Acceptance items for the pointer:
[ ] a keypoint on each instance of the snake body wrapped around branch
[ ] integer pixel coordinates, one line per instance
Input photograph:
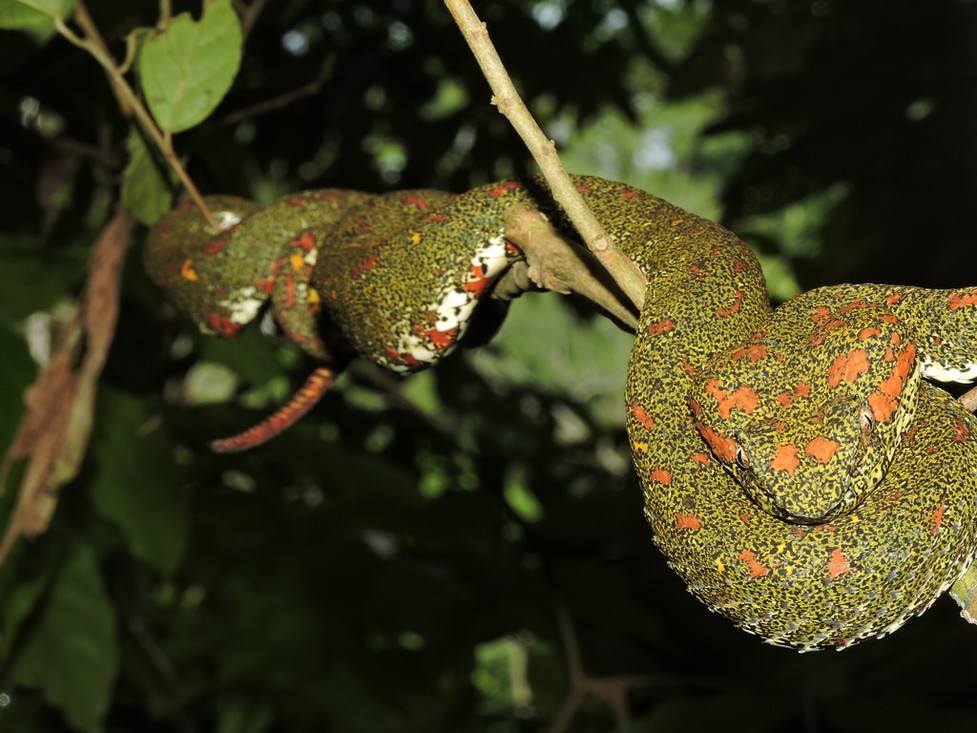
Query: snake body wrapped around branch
(798, 473)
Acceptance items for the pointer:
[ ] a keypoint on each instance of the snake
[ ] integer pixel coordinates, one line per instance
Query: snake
(800, 470)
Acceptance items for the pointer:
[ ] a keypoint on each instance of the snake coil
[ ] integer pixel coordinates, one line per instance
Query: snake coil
(798, 472)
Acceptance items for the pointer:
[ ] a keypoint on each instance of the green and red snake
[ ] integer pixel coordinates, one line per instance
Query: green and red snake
(798, 473)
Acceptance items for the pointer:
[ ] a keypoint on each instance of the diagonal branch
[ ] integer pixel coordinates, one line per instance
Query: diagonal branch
(129, 100)
(308, 89)
(53, 435)
(624, 272)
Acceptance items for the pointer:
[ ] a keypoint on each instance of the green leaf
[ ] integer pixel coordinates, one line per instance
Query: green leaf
(587, 359)
(33, 15)
(137, 485)
(17, 370)
(500, 675)
(147, 187)
(71, 652)
(187, 69)
(21, 592)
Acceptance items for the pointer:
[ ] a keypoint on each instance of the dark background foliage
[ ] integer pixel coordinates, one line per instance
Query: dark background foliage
(400, 561)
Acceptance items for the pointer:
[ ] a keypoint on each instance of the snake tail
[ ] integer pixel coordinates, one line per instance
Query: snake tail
(304, 399)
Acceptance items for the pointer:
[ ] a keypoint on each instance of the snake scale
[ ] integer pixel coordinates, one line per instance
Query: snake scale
(797, 471)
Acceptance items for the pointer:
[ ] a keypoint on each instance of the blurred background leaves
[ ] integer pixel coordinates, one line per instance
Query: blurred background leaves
(399, 561)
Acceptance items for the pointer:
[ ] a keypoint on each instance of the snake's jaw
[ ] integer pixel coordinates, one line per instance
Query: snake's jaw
(816, 504)
(817, 483)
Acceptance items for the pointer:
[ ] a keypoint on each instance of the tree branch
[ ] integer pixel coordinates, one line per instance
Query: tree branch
(283, 100)
(557, 264)
(624, 272)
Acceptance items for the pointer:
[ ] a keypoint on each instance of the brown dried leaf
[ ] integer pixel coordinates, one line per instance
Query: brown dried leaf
(53, 434)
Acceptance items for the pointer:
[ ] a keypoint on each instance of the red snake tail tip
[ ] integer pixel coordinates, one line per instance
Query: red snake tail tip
(287, 415)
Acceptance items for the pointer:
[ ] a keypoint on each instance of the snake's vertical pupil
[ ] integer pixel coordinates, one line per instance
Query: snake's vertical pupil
(867, 421)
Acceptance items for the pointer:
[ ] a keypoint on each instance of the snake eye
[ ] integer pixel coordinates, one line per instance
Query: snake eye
(867, 423)
(741, 458)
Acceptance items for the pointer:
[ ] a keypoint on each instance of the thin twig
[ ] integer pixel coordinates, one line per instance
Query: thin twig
(308, 89)
(96, 48)
(384, 380)
(969, 399)
(571, 646)
(613, 689)
(106, 158)
(577, 677)
(165, 14)
(83, 19)
(250, 15)
(625, 273)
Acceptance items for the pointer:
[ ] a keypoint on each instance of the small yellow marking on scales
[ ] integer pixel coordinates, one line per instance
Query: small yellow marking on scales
(187, 272)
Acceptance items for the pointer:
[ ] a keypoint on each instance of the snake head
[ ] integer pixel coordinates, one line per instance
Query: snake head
(808, 414)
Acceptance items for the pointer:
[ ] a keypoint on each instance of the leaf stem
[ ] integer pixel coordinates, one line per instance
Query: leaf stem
(129, 100)
(249, 15)
(624, 272)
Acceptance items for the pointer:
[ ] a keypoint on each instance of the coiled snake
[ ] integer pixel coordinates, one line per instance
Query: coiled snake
(797, 472)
